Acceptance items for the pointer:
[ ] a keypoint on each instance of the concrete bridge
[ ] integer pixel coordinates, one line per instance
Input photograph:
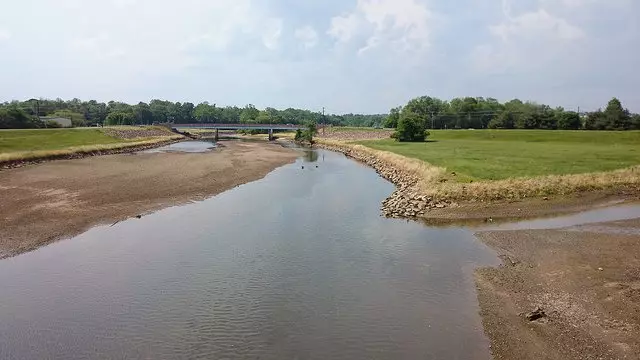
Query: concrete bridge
(216, 127)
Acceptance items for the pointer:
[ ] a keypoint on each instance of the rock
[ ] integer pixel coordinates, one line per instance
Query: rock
(440, 205)
(545, 198)
(600, 269)
(536, 314)
(138, 216)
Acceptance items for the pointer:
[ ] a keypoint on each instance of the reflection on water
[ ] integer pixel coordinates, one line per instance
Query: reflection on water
(621, 212)
(185, 146)
(298, 265)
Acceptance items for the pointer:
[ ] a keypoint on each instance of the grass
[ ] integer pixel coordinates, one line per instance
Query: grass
(507, 165)
(504, 154)
(31, 144)
(51, 139)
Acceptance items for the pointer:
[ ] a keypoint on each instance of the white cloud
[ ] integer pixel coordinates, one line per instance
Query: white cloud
(401, 24)
(344, 27)
(4, 35)
(535, 24)
(271, 33)
(528, 41)
(307, 35)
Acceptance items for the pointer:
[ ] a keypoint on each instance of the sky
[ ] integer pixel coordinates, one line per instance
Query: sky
(360, 56)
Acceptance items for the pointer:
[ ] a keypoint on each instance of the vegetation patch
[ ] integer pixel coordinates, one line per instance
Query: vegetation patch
(51, 139)
(9, 160)
(476, 155)
(32, 144)
(529, 172)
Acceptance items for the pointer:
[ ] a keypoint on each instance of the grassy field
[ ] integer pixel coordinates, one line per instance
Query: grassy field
(42, 143)
(51, 139)
(503, 154)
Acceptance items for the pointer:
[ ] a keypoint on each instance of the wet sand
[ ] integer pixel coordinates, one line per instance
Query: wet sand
(470, 213)
(47, 202)
(585, 278)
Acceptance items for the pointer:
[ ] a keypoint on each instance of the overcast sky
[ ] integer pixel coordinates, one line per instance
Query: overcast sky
(347, 55)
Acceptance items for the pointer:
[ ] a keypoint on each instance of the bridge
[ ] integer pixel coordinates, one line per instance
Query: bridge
(216, 127)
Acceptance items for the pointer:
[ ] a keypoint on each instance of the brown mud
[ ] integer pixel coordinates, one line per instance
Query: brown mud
(54, 200)
(580, 284)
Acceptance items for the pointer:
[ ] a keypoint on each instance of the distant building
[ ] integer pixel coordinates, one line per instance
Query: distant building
(62, 121)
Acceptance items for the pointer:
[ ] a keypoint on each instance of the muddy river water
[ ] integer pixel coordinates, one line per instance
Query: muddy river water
(298, 265)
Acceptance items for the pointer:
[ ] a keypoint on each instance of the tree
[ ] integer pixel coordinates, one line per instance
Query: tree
(635, 122)
(411, 127)
(12, 117)
(310, 131)
(205, 113)
(568, 120)
(120, 118)
(249, 114)
(142, 114)
(506, 120)
(616, 118)
(426, 107)
(595, 121)
(392, 120)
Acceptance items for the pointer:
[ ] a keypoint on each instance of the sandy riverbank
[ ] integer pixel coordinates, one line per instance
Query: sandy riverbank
(587, 281)
(59, 199)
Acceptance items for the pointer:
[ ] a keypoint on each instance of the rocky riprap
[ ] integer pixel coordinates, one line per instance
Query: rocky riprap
(406, 201)
(134, 133)
(337, 134)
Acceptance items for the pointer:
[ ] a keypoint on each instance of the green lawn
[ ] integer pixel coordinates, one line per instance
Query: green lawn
(500, 154)
(51, 139)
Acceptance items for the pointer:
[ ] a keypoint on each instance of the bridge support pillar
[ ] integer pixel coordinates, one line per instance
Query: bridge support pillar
(216, 137)
(270, 134)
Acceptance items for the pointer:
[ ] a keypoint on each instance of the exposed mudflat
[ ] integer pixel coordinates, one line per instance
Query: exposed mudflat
(470, 213)
(54, 200)
(586, 280)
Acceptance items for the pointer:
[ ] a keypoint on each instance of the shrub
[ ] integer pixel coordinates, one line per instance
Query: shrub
(410, 127)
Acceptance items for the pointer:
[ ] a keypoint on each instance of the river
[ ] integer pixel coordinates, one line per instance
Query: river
(298, 265)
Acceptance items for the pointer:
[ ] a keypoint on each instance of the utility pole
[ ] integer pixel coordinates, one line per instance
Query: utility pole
(324, 121)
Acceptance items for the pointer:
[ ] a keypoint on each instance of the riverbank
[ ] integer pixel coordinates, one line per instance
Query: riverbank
(586, 282)
(23, 147)
(55, 200)
(433, 194)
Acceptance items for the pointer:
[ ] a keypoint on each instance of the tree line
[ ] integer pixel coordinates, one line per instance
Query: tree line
(480, 113)
(28, 114)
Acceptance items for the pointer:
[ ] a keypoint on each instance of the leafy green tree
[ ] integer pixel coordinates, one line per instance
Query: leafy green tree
(505, 120)
(635, 122)
(205, 113)
(13, 117)
(249, 114)
(310, 131)
(426, 108)
(568, 120)
(411, 127)
(120, 118)
(392, 120)
(142, 114)
(595, 121)
(616, 117)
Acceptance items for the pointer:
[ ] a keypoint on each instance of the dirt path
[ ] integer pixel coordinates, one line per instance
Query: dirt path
(43, 203)
(587, 281)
